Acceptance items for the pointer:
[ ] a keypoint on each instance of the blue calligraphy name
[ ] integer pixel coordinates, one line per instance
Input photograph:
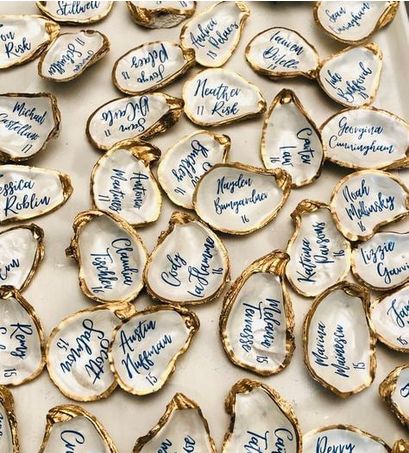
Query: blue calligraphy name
(399, 314)
(7, 268)
(353, 20)
(134, 112)
(12, 47)
(277, 53)
(220, 99)
(71, 439)
(76, 8)
(324, 446)
(259, 442)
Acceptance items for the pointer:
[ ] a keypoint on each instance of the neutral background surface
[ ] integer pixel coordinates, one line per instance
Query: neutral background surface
(204, 373)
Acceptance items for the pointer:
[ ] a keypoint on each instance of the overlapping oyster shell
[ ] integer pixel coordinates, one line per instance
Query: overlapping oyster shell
(74, 13)
(110, 255)
(394, 390)
(122, 183)
(146, 346)
(257, 321)
(239, 199)
(8, 424)
(129, 119)
(215, 33)
(320, 255)
(27, 122)
(189, 264)
(338, 355)
(151, 66)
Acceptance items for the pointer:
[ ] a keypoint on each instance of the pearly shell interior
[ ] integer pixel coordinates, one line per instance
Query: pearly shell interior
(400, 395)
(73, 13)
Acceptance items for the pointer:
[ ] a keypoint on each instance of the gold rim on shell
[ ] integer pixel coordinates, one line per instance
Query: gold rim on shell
(7, 401)
(146, 17)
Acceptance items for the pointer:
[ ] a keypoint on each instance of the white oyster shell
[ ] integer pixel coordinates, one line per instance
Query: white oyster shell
(189, 264)
(382, 262)
(215, 33)
(129, 119)
(282, 52)
(338, 354)
(27, 122)
(151, 66)
(320, 255)
(122, 184)
(366, 138)
(394, 389)
(219, 96)
(70, 54)
(8, 425)
(351, 77)
(364, 201)
(146, 347)
(72, 13)
(238, 199)
(28, 192)
(290, 140)
(23, 38)
(184, 163)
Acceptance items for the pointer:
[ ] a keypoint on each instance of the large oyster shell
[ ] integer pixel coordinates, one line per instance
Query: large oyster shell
(74, 13)
(394, 390)
(8, 424)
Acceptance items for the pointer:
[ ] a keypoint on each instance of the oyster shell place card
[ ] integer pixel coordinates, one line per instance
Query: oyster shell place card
(146, 346)
(161, 14)
(21, 339)
(257, 320)
(366, 138)
(280, 52)
(8, 423)
(366, 200)
(130, 119)
(76, 13)
(70, 427)
(219, 96)
(342, 438)
(70, 54)
(320, 256)
(28, 192)
(189, 264)
(351, 77)
(261, 420)
(27, 122)
(151, 66)
(354, 22)
(290, 140)
(185, 162)
(215, 33)
(394, 390)
(339, 346)
(110, 255)
(24, 38)
(239, 199)
(122, 183)
(182, 427)
(382, 262)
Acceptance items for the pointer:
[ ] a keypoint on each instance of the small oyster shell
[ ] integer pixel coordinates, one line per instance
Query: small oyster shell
(8, 424)
(73, 428)
(21, 252)
(382, 263)
(161, 14)
(351, 77)
(290, 140)
(394, 390)
(151, 66)
(239, 199)
(21, 339)
(365, 200)
(77, 352)
(27, 122)
(338, 355)
(215, 33)
(122, 183)
(353, 22)
(162, 333)
(401, 446)
(257, 320)
(129, 119)
(280, 52)
(111, 257)
(74, 13)
(70, 54)
(342, 438)
(320, 255)
(23, 38)
(189, 264)
(182, 427)
(261, 420)
(366, 138)
(184, 163)
(218, 96)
